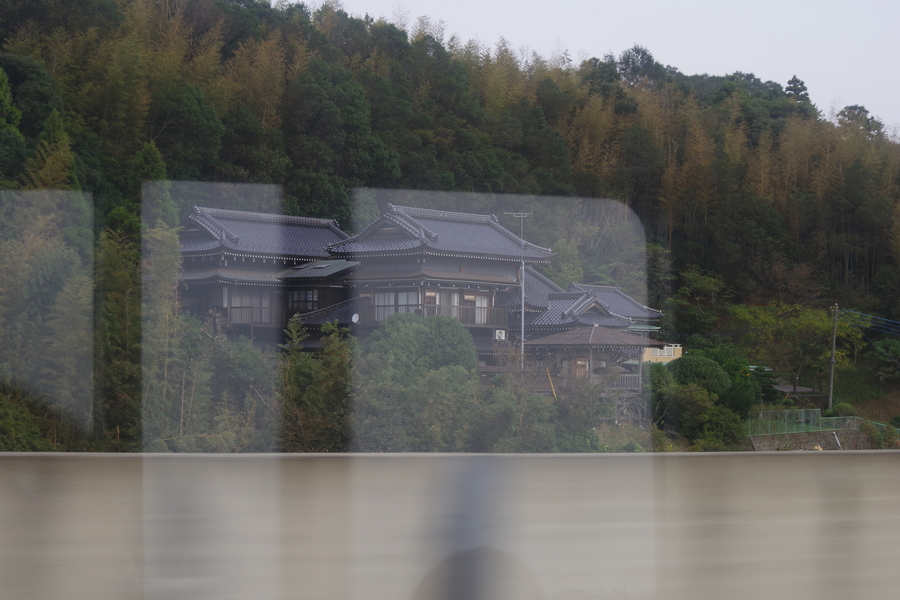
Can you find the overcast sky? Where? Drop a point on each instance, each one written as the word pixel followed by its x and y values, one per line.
pixel 846 53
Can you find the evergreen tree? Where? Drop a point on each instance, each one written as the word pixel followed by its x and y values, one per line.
pixel 12 142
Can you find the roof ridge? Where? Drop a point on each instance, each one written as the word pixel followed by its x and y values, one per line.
pixel 590 287
pixel 416 228
pixel 261 216
pixel 442 214
pixel 522 242
pixel 213 226
pixel 587 300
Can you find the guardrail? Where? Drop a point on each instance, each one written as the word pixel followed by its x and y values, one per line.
pixel 773 422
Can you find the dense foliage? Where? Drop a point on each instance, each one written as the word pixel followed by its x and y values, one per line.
pixel 795 205
pixel 749 196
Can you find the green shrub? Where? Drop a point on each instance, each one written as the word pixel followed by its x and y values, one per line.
pixel 880 437
pixel 841 409
pixel 630 446
pixel 705 372
pixel 722 430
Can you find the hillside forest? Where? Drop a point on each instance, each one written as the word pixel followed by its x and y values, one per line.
pixel 759 213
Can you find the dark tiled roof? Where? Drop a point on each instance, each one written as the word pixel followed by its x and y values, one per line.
pixel 342 313
pixel 617 301
pixel 573 308
pixel 593 337
pixel 230 275
pixel 485 345
pixel 211 230
pixel 320 269
pixel 537 291
pixel 439 233
pixel 433 276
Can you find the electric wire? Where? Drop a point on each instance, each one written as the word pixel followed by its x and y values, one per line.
pixel 863 321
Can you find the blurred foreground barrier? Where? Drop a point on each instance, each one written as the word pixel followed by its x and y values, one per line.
pixel 734 526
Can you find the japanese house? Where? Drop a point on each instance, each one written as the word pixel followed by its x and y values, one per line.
pixel 254 271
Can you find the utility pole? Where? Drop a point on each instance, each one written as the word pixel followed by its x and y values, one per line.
pixel 833 345
pixel 521 217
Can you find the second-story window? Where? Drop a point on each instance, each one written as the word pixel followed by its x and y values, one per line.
pixel 407 301
pixel 384 304
pixel 301 301
pixel 250 305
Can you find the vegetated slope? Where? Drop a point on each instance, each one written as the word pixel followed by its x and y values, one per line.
pixel 747 194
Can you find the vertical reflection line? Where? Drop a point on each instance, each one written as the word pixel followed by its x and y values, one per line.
pixel 211 523
pixel 469 573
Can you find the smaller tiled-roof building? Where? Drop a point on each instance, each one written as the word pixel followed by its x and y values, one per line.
pixel 569 310
pixel 592 351
pixel 253 270
pixel 619 303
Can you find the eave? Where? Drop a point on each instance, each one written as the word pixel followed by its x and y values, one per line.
pixel 425 251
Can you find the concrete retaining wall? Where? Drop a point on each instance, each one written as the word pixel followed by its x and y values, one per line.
pixel 843 439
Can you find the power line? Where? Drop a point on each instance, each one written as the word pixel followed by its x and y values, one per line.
pixel 872 322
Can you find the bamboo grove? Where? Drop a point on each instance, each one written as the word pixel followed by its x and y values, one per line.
pixel 742 185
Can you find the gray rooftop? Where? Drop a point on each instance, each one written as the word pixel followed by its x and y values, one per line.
pixel 340 313
pixel 593 337
pixel 537 291
pixel 576 309
pixel 238 274
pixel 213 230
pixel 406 230
pixel 317 270
pixel 618 302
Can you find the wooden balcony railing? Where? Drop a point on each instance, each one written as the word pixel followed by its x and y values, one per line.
pixel 473 316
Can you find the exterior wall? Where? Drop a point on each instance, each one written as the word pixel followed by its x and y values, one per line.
pixel 781 525
pixel 467 290
pixel 662 355
pixel 471 307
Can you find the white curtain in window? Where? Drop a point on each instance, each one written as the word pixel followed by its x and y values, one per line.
pixel 481 310
pixel 384 304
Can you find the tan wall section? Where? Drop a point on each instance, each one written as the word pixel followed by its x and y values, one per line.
pixel 649 357
pixel 762 525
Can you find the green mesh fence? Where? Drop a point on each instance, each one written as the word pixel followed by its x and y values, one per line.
pixel 769 422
